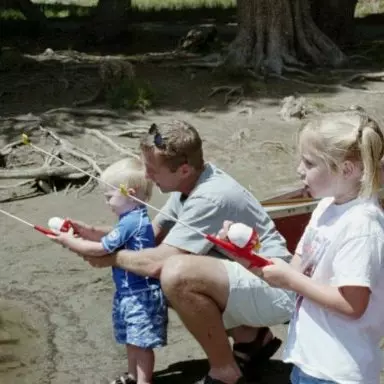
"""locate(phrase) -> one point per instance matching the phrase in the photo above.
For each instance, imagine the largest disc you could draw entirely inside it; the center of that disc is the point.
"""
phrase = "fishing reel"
(243, 243)
(61, 225)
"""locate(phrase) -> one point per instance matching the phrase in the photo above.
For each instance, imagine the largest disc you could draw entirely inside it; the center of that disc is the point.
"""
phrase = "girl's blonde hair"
(350, 135)
(129, 172)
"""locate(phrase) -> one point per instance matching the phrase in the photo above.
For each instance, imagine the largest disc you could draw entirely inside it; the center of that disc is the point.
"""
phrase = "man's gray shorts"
(253, 302)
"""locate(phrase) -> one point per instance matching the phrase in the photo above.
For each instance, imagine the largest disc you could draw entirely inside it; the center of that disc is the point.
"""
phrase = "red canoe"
(291, 213)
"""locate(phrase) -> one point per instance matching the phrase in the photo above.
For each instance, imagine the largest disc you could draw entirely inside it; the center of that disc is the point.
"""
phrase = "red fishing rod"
(38, 228)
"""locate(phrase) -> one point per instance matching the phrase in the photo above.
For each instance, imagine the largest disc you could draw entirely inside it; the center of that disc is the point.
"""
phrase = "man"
(213, 296)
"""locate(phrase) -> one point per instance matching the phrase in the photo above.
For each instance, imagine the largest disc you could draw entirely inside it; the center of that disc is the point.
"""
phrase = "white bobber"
(240, 234)
(60, 225)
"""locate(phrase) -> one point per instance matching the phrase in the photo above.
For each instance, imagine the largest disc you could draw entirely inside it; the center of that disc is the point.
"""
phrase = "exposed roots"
(233, 93)
(62, 165)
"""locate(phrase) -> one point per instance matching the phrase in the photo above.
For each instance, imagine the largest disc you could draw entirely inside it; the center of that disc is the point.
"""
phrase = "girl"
(337, 271)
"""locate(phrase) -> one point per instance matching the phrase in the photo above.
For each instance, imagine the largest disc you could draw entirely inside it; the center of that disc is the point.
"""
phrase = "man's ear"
(185, 169)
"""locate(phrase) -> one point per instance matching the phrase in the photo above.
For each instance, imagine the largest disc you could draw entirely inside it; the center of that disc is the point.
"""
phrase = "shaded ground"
(54, 309)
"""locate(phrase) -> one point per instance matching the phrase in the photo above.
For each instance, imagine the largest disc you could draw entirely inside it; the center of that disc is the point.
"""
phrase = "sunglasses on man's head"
(160, 142)
(158, 139)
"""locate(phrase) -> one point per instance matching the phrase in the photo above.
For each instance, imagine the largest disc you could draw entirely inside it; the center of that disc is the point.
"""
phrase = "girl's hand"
(280, 274)
(223, 233)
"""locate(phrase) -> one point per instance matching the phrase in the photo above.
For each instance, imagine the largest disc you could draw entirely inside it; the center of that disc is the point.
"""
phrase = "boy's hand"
(280, 274)
(81, 229)
(62, 238)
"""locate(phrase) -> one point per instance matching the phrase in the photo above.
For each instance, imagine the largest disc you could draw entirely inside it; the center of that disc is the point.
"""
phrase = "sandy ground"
(55, 325)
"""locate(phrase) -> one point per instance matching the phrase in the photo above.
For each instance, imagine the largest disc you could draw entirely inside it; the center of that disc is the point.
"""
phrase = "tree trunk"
(110, 10)
(109, 19)
(273, 35)
(335, 18)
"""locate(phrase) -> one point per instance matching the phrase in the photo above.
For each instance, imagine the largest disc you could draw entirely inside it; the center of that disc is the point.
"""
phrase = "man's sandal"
(210, 380)
(249, 355)
(126, 378)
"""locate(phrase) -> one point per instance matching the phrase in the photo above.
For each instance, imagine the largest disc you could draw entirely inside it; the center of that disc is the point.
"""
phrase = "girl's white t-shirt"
(343, 245)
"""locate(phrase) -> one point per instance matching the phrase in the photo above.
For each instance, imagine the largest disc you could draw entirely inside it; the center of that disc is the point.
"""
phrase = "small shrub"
(131, 94)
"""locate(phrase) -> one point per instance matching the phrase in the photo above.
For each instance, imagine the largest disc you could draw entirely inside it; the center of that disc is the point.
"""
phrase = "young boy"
(139, 306)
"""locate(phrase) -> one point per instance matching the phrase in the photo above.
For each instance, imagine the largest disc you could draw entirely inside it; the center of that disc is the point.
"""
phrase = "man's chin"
(161, 190)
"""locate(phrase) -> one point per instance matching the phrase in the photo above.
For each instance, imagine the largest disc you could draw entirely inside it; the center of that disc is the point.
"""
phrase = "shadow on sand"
(191, 371)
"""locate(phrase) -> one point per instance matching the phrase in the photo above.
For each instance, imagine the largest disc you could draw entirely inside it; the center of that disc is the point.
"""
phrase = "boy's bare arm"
(90, 232)
(81, 246)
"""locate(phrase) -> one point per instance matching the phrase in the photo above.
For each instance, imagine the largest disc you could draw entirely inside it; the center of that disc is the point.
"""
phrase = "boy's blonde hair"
(350, 135)
(177, 142)
(129, 172)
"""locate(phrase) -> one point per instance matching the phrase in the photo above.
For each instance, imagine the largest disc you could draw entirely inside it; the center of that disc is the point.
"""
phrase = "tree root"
(111, 143)
(83, 112)
(132, 133)
(233, 93)
(43, 172)
(331, 87)
(49, 172)
(18, 185)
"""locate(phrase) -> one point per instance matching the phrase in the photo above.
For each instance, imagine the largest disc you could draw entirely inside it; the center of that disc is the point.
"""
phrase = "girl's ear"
(349, 169)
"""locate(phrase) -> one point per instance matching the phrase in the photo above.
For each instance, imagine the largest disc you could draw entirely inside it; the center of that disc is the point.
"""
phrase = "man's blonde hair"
(130, 173)
(350, 135)
(177, 143)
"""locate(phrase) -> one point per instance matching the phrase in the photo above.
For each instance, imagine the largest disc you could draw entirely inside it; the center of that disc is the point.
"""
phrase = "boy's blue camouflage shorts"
(140, 318)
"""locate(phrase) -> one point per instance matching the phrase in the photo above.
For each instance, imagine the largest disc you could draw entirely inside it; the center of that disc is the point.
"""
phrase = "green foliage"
(131, 94)
(367, 7)
(180, 4)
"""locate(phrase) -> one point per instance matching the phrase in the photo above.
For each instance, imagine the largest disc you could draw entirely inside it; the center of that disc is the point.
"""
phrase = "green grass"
(180, 4)
(151, 4)
(368, 7)
(65, 8)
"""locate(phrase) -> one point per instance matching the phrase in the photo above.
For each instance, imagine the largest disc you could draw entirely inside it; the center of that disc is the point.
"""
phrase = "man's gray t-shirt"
(215, 198)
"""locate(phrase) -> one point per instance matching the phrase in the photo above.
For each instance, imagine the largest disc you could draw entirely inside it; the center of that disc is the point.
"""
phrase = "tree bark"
(335, 18)
(110, 10)
(274, 35)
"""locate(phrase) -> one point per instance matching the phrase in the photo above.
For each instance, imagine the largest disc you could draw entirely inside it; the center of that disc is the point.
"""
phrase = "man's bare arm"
(146, 262)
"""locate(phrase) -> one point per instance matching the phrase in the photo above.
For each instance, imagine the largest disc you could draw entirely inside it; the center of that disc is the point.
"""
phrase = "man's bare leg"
(198, 288)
